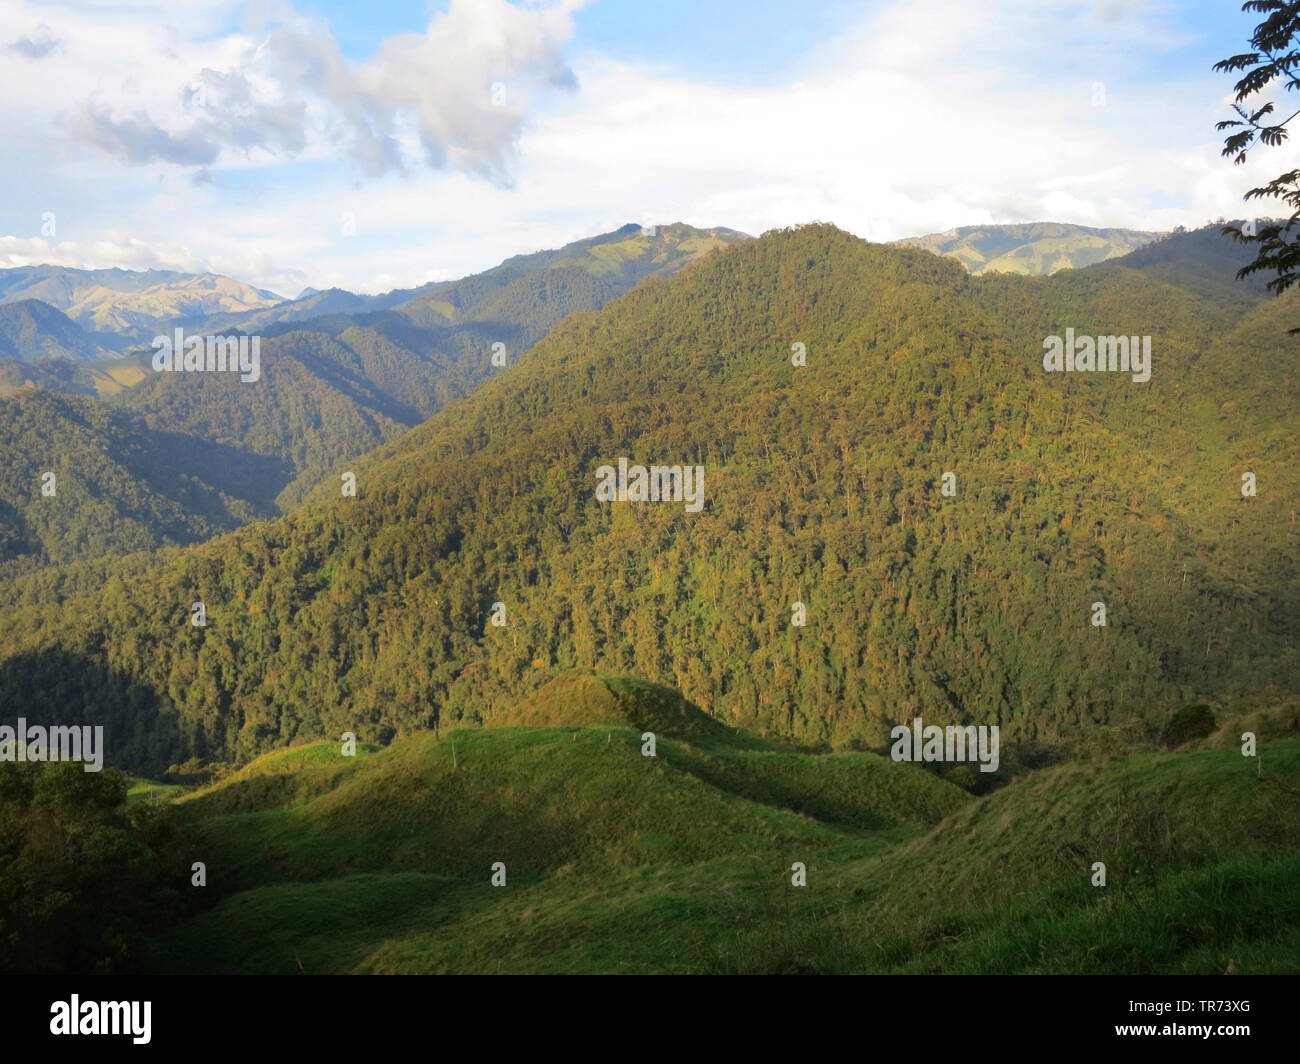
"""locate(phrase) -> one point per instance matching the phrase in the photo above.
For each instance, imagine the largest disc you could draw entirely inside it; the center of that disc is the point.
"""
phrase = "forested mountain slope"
(32, 330)
(78, 480)
(822, 486)
(1204, 260)
(337, 385)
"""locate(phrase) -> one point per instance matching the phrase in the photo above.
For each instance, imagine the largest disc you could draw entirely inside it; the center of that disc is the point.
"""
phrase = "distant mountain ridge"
(121, 310)
(131, 303)
(623, 256)
(1032, 249)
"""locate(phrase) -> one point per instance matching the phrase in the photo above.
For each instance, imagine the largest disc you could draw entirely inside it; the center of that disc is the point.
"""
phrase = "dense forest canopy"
(824, 486)
(80, 480)
(332, 386)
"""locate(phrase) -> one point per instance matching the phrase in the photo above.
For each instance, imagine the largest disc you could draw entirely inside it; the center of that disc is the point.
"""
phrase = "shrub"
(1190, 722)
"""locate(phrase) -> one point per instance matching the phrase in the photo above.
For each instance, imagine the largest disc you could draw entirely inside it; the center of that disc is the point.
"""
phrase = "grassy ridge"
(1201, 859)
(620, 863)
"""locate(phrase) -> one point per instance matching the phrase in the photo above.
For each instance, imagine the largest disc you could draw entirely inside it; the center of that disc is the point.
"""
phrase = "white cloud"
(929, 115)
(460, 89)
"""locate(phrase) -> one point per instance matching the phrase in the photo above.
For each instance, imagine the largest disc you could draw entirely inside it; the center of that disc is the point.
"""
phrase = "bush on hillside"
(1190, 722)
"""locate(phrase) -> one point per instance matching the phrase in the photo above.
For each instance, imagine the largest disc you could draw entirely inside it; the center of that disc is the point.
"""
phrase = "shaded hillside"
(117, 487)
(314, 405)
(823, 487)
(1203, 261)
(31, 330)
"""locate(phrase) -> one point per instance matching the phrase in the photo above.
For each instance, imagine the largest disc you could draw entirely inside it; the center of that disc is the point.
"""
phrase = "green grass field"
(618, 862)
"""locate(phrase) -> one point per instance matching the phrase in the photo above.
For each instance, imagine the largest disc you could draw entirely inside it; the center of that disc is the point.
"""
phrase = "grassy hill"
(1201, 861)
(620, 863)
(580, 697)
(382, 862)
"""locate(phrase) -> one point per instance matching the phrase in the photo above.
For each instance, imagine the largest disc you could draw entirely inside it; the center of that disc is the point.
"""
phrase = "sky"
(387, 143)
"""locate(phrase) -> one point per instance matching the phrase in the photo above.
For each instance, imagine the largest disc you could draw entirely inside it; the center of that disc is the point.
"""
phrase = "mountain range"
(113, 312)
(823, 484)
(334, 385)
(1034, 249)
(132, 304)
(663, 731)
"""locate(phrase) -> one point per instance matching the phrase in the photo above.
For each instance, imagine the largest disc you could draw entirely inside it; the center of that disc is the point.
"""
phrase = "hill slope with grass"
(382, 862)
(615, 862)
